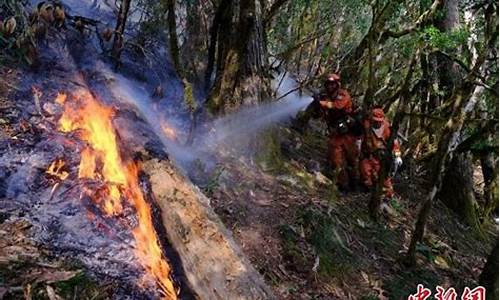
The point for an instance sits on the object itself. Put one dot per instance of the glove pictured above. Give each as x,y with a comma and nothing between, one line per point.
317,96
358,145
398,161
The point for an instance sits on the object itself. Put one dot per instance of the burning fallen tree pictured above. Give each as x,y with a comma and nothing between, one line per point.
99,189
101,159
94,182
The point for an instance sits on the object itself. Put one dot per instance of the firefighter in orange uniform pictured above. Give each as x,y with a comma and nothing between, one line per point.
377,132
344,141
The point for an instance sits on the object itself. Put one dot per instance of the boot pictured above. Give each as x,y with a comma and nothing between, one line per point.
364,189
355,185
343,188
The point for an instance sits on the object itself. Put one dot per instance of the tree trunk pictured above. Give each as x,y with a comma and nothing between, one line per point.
490,175
219,20
448,72
370,89
120,28
213,264
273,10
242,59
380,15
172,37
489,165
489,277
449,140
181,71
451,133
457,191
458,185
194,49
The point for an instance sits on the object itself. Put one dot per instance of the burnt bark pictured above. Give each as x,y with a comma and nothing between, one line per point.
213,264
219,20
121,20
172,37
489,277
241,58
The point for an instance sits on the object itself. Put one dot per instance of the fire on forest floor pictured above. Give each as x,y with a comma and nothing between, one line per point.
93,121
311,242
88,179
28,270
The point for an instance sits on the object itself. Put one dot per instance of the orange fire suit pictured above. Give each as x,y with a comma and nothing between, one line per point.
373,141
343,153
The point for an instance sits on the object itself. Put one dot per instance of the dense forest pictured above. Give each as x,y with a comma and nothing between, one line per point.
194,149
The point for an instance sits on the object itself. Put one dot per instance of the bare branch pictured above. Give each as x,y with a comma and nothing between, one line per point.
269,15
423,19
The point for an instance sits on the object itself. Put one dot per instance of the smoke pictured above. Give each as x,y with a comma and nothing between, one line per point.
134,93
227,131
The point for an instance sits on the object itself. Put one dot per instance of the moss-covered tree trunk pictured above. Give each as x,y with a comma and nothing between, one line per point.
179,67
489,276
172,37
490,193
193,50
447,71
462,100
457,191
443,155
241,57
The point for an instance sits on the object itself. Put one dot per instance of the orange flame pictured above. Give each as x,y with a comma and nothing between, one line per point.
61,98
148,248
94,122
55,169
87,164
168,130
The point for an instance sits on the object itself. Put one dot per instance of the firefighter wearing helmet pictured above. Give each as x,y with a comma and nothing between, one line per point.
345,132
377,132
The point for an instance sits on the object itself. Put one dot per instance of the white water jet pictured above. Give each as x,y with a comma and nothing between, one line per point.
252,119
227,130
